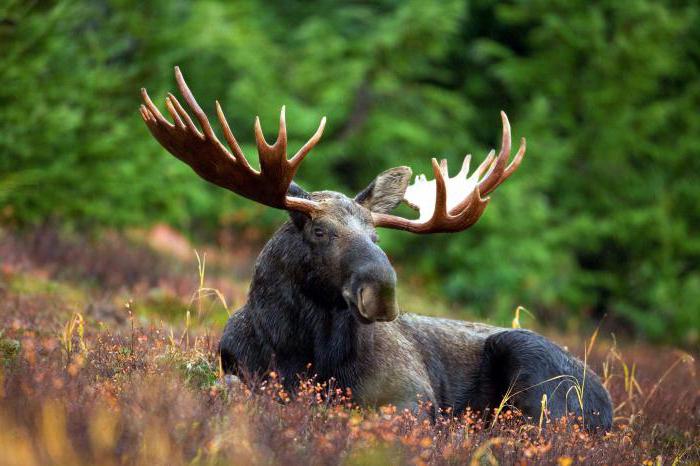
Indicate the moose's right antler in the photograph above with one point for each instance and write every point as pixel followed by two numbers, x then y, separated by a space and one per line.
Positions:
pixel 216 164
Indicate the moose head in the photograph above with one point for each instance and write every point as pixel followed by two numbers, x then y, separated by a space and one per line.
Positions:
pixel 336 232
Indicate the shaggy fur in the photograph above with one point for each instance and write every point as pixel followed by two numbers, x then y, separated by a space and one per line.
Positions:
pixel 297 315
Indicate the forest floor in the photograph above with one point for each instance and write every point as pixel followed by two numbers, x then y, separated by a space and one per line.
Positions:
pixel 108 356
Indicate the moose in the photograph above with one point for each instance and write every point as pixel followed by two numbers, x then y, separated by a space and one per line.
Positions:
pixel 324 293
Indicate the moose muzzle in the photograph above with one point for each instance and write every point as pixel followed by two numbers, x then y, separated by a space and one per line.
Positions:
pixel 372 292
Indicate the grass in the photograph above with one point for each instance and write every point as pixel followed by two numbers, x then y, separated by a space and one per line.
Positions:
pixel 140 382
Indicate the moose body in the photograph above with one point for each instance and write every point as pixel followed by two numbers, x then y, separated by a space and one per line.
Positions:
pixel 296 323
pixel 323 302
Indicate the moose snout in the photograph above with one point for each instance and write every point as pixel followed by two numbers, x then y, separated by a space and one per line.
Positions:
pixel 377 302
pixel 372 293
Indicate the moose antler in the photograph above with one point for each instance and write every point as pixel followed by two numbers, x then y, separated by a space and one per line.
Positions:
pixel 454 204
pixel 215 163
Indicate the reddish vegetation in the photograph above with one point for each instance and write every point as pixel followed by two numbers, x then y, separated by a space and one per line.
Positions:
pixel 128 391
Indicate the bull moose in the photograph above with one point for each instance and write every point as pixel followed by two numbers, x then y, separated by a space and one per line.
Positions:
pixel 324 293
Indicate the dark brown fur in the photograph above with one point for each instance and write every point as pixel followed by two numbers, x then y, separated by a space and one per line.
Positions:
pixel 303 309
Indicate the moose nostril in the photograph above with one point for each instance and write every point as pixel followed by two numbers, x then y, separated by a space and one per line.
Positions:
pixel 362 305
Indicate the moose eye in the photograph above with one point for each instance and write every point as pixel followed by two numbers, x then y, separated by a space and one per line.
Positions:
pixel 318 232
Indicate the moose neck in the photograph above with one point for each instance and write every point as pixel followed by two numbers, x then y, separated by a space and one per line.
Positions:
pixel 303 319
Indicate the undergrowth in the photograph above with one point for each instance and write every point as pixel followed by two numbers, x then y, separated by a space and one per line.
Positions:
pixel 78 388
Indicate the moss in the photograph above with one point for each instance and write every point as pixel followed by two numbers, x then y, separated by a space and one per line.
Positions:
pixel 199 373
pixel 164 306
pixel 196 369
pixel 9 350
pixel 378 455
pixel 33 285
pixel 161 304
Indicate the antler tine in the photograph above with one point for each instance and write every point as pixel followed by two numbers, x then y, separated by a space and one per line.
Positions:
pixel 184 115
pixel 231 139
pixel 147 117
pixel 440 171
pixel 282 132
pixel 514 164
pixel 273 157
pixel 173 113
pixel 464 171
pixel 516 160
pixel 493 176
pixel 153 110
pixel 301 153
pixel 259 136
pixel 192 102
pixel 144 113
pixel 155 121
pixel 486 164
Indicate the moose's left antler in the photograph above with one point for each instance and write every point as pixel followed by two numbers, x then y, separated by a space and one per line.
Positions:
pixel 454 204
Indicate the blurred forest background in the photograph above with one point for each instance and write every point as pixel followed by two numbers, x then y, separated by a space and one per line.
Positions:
pixel 602 219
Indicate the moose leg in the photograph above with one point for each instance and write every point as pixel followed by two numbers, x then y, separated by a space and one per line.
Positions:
pixel 525 366
pixel 242 353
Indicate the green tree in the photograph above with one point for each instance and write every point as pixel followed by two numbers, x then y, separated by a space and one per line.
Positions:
pixel 601 219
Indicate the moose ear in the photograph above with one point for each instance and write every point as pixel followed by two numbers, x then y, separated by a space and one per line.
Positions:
pixel 298 218
pixel 386 191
